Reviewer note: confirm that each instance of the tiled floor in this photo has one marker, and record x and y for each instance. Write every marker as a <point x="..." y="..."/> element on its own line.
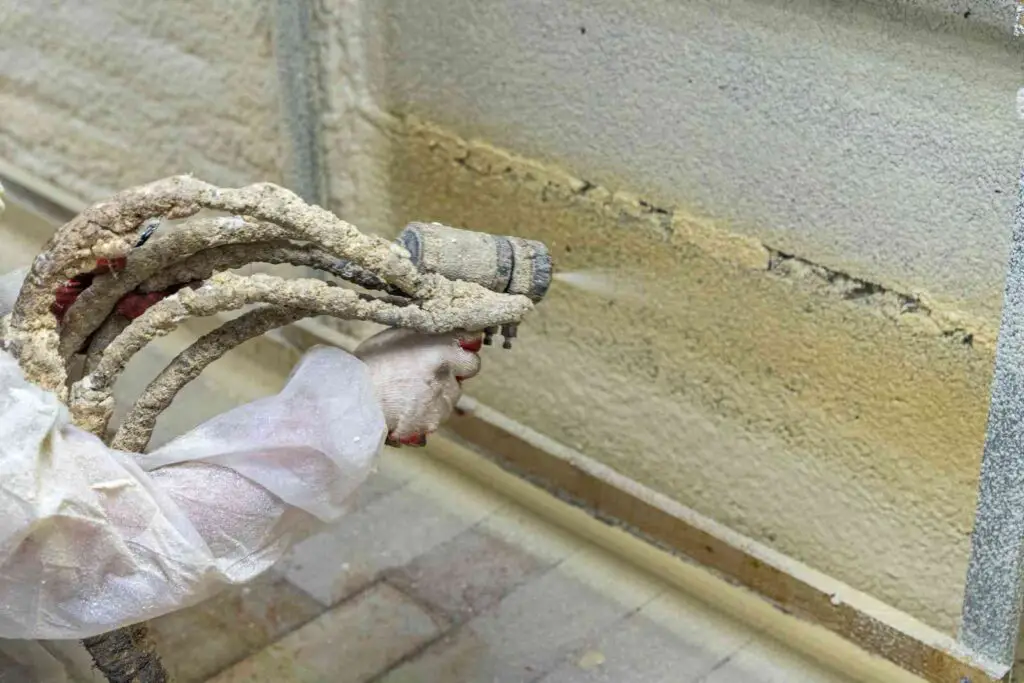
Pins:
<point x="434" y="579"/>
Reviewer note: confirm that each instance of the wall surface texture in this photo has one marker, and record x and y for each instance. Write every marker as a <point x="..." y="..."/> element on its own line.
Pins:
<point x="100" y="95"/>
<point x="802" y="208"/>
<point x="880" y="138"/>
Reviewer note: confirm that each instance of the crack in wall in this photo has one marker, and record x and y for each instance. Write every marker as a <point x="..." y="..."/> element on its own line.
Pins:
<point x="677" y="225"/>
<point x="891" y="303"/>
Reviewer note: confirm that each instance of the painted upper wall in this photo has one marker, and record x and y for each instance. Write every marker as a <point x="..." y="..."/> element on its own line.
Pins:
<point x="877" y="138"/>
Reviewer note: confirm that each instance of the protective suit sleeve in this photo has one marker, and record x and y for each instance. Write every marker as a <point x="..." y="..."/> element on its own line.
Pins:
<point x="92" y="539"/>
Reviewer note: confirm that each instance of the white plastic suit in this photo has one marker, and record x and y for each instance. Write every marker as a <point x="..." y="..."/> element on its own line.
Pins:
<point x="92" y="539"/>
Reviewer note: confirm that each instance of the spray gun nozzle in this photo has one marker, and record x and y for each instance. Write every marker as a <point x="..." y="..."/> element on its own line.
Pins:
<point x="508" y="265"/>
<point x="509" y="332"/>
<point x="489" y="333"/>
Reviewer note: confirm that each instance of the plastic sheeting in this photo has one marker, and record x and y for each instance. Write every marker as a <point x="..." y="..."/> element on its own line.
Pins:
<point x="92" y="539"/>
<point x="10" y="286"/>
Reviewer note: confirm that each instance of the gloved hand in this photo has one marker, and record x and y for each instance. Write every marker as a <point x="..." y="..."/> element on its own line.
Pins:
<point x="418" y="378"/>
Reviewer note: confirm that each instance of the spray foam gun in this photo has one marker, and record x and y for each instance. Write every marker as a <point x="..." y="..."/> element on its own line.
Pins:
<point x="503" y="264"/>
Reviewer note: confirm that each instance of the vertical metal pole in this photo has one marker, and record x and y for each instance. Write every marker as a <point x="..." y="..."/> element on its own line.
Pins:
<point x="297" y="76"/>
<point x="995" y="576"/>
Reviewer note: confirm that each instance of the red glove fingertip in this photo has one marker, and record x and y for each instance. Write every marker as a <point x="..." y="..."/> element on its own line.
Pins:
<point x="133" y="305"/>
<point x="66" y="296"/>
<point x="115" y="264"/>
<point x="471" y="345"/>
<point x="416" y="440"/>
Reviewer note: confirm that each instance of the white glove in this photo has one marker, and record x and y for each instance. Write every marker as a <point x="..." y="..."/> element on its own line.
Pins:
<point x="418" y="378"/>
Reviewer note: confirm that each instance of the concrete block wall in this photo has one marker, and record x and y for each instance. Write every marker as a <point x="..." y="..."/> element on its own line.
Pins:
<point x="100" y="95"/>
<point x="804" y="207"/>
<point x="811" y="199"/>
